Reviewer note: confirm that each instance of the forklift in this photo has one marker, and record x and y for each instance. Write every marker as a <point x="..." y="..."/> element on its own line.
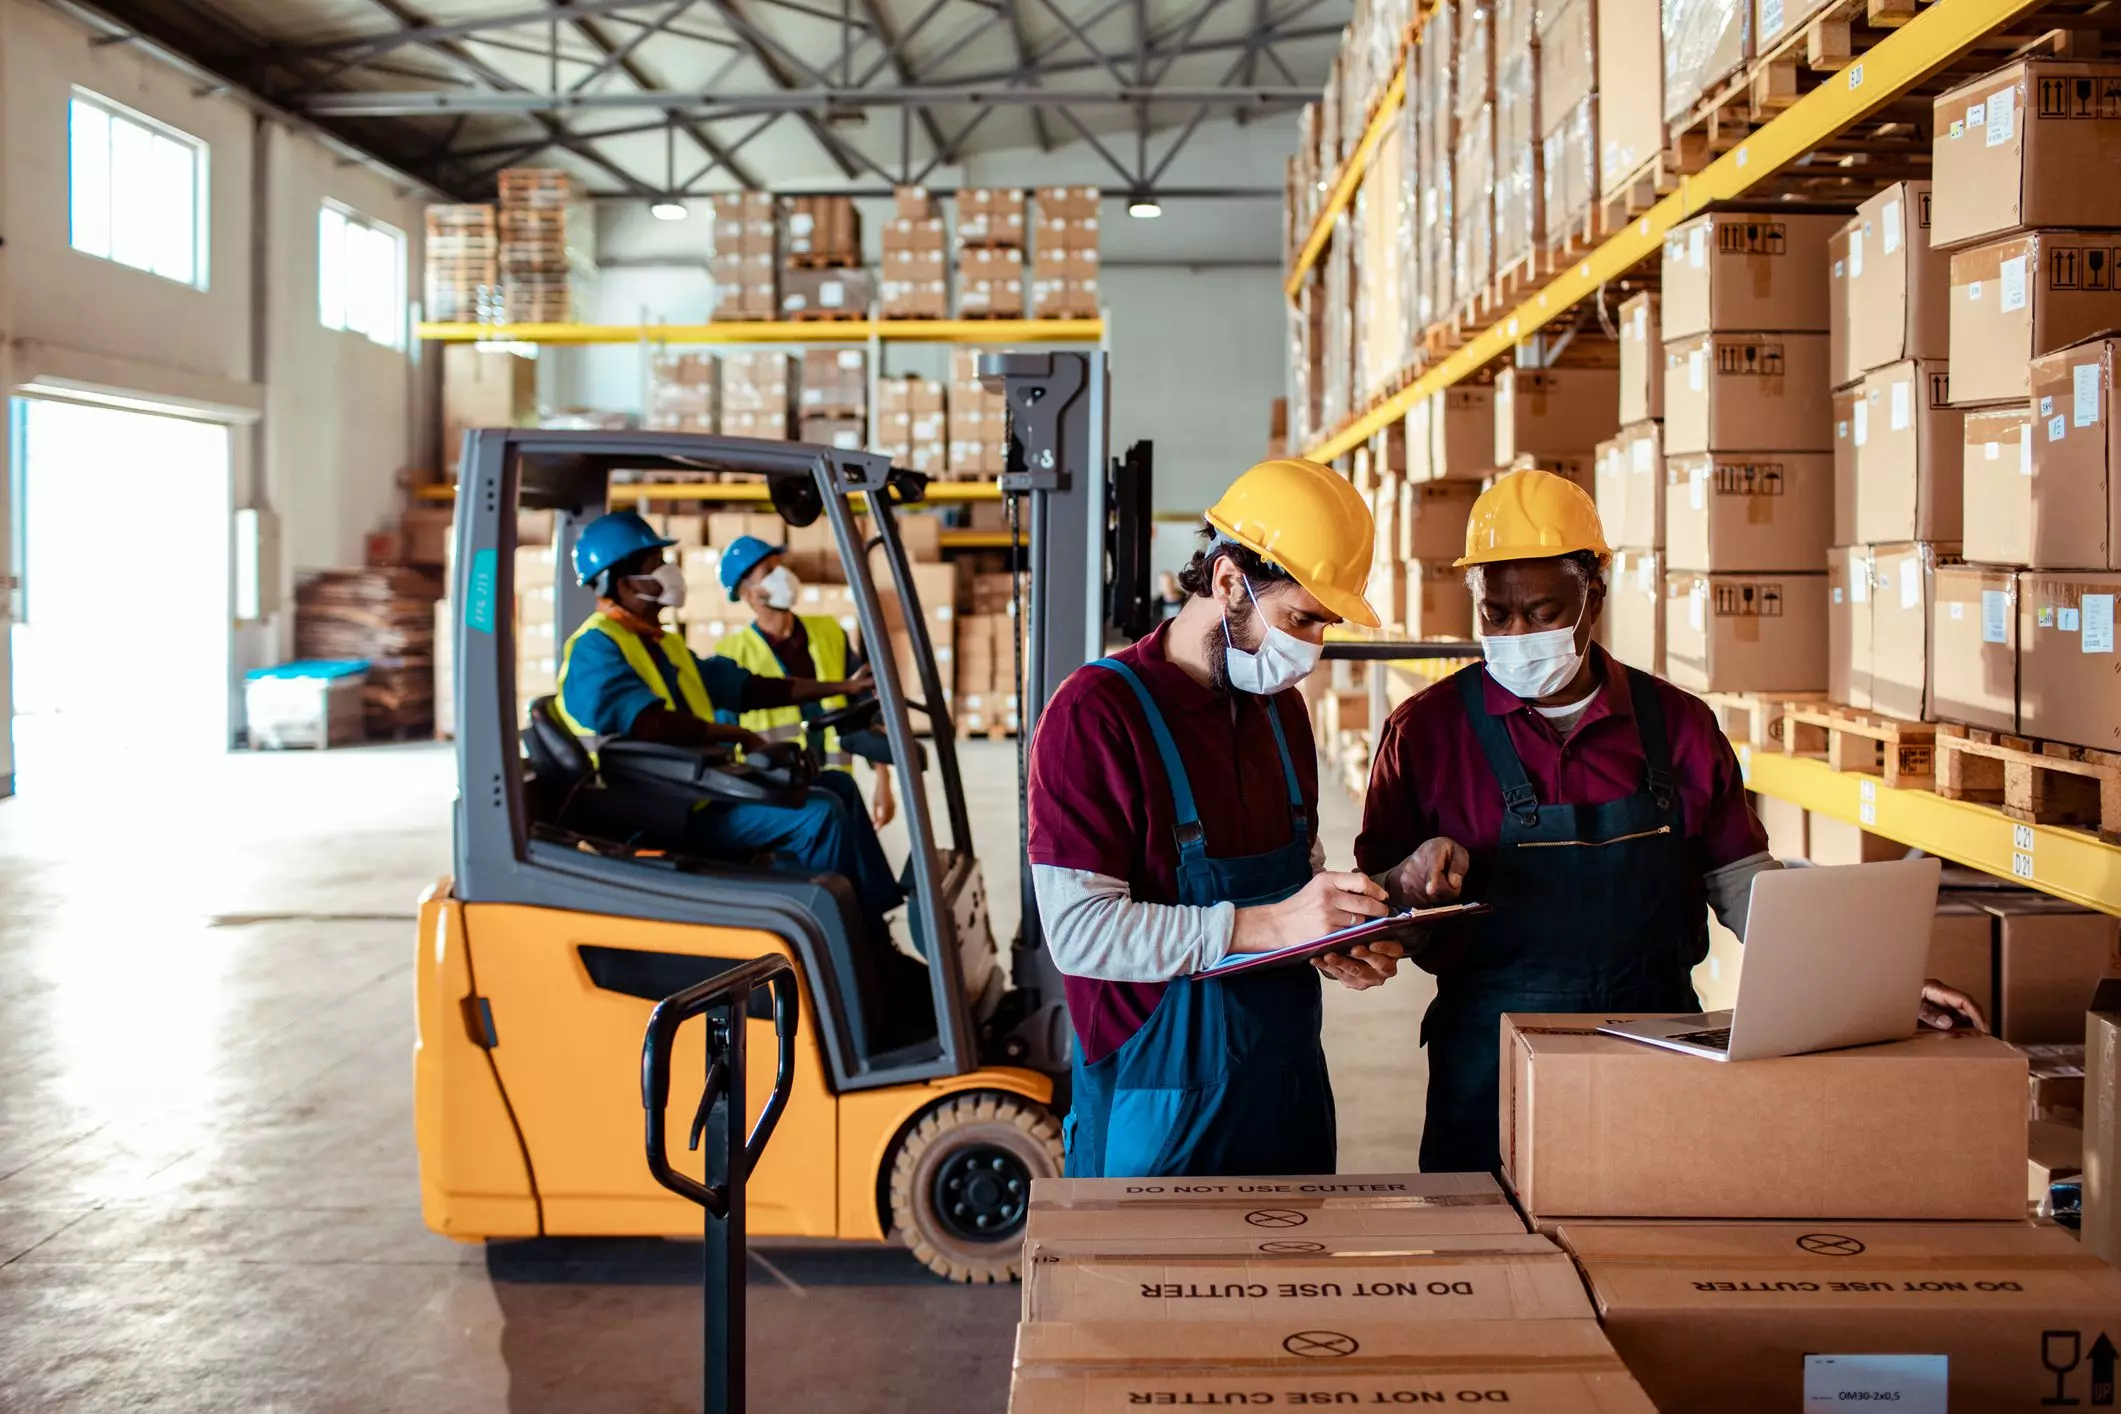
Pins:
<point x="541" y="957"/>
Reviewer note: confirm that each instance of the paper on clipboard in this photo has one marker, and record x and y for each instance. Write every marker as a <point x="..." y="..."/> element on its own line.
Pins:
<point x="1390" y="926"/>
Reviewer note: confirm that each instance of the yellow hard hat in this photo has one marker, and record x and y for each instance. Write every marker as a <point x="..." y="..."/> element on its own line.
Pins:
<point x="1532" y="515"/>
<point x="1311" y="521"/>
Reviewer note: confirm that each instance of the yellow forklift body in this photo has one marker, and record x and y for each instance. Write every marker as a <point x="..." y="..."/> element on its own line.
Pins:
<point x="574" y="1095"/>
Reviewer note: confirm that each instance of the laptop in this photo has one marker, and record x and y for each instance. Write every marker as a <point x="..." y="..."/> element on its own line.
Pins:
<point x="1833" y="957"/>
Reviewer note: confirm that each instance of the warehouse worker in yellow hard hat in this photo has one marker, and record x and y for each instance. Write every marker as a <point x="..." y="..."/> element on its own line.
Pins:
<point x="1598" y="809"/>
<point x="780" y="643"/>
<point x="1173" y="806"/>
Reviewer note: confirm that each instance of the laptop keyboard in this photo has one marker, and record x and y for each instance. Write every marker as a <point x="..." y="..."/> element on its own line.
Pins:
<point x="1716" y="1038"/>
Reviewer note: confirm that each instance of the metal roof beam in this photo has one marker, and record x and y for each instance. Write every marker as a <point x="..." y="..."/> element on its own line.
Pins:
<point x="424" y="33"/>
<point x="895" y="52"/>
<point x="804" y="102"/>
<point x="619" y="57"/>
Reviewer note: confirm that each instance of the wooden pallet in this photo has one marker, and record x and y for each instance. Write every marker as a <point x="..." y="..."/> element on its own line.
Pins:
<point x="1902" y="753"/>
<point x="1756" y="717"/>
<point x="811" y="261"/>
<point x="827" y="316"/>
<point x="2037" y="782"/>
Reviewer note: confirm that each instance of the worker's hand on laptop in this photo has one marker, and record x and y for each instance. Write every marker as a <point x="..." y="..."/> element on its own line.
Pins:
<point x="1330" y="902"/>
<point x="1945" y="1007"/>
<point x="1364" y="966"/>
<point x="1432" y="874"/>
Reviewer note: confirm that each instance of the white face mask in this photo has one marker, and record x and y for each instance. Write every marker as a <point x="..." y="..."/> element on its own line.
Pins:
<point x="780" y="586"/>
<point x="669" y="582"/>
<point x="1282" y="660"/>
<point x="1533" y="665"/>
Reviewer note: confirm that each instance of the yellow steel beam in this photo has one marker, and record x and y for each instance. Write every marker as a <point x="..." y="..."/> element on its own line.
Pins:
<point x="979" y="539"/>
<point x="1942" y="32"/>
<point x="2070" y="864"/>
<point x="941" y="492"/>
<point x="1351" y="173"/>
<point x="775" y="331"/>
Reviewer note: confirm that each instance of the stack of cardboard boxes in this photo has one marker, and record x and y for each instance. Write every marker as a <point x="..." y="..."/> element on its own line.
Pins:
<point x="1064" y="281"/>
<point x="483" y="388"/>
<point x="684" y="392"/>
<point x="1375" y="1289"/>
<point x="916" y="282"/>
<point x="835" y="398"/>
<point x="911" y="424"/>
<point x="1520" y="192"/>
<point x="823" y="277"/>
<point x="2024" y="631"/>
<point x="1567" y="50"/>
<point x="1748" y="452"/>
<point x="746" y="271"/>
<point x="756" y="394"/>
<point x="990" y="253"/>
<point x="978" y="420"/>
<point x="1470" y="91"/>
<point x="537" y="633"/>
<point x="988" y="692"/>
<point x="547" y="246"/>
<point x="1630" y="494"/>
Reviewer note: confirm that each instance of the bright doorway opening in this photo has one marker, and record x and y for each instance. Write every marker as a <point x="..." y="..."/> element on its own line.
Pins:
<point x="121" y="642"/>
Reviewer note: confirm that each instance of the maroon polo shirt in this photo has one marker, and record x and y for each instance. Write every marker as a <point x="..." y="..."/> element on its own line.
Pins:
<point x="1430" y="778"/>
<point x="1100" y="801"/>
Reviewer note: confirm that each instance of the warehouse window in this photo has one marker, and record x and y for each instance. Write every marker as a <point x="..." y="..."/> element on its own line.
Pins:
<point x="136" y="191"/>
<point x="360" y="275"/>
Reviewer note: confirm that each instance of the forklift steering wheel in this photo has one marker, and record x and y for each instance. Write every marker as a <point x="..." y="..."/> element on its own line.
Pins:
<point x="859" y="712"/>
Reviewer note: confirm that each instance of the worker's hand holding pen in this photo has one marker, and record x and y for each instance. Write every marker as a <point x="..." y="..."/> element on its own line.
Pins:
<point x="1330" y="902"/>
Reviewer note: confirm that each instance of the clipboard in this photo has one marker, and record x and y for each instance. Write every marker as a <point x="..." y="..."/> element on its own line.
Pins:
<point x="1392" y="925"/>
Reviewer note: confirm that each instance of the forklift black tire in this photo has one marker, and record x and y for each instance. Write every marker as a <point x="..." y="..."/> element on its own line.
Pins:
<point x="961" y="1181"/>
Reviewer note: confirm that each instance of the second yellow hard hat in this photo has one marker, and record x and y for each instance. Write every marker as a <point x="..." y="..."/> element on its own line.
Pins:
<point x="1532" y="515"/>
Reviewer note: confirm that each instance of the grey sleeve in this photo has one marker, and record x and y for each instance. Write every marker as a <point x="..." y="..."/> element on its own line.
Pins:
<point x="1731" y="888"/>
<point x="1096" y="928"/>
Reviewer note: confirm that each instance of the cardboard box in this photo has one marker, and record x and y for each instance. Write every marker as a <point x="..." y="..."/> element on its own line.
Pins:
<point x="1630" y="129"/>
<point x="1774" y="20"/>
<point x="1786" y="1316"/>
<point x="1705" y="42"/>
<point x="1634" y="609"/>
<point x="2066" y="659"/>
<point x="1963" y="949"/>
<point x="1900" y="628"/>
<point x="1332" y="1205"/>
<point x="1732" y="270"/>
<point x="1974" y="646"/>
<point x="1747" y="393"/>
<point x="2022" y="296"/>
<point x="1641" y="360"/>
<point x="2055" y="1156"/>
<point x="2074" y="495"/>
<point x="2034" y="143"/>
<point x="1555" y="1366"/>
<point x="1997" y="475"/>
<point x="1179" y="1281"/>
<point x="809" y="291"/>
<point x="1844" y="404"/>
<point x="1438" y="604"/>
<point x="1432" y="519"/>
<point x="1641" y="474"/>
<point x="2051" y="956"/>
<point x="483" y="389"/>
<point x="1553" y="412"/>
<point x="1899" y="290"/>
<point x="1840" y="363"/>
<point x="2056" y="1080"/>
<point x="1745" y="633"/>
<point x="1599" y="1126"/>
<point x="1850" y="583"/>
<point x="1765" y="513"/>
<point x="1835" y="841"/>
<point x="1909" y="445"/>
<point x="2101" y="1228"/>
<point x="1462" y="432"/>
<point x="1785" y="822"/>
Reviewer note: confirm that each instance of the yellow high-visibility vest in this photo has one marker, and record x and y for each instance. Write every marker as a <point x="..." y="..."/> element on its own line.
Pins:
<point x="693" y="690"/>
<point x="750" y="651"/>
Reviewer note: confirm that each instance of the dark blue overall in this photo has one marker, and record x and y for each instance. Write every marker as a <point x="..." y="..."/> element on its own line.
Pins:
<point x="1597" y="908"/>
<point x="1227" y="1076"/>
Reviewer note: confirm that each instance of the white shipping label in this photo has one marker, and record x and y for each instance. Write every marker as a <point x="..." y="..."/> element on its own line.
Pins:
<point x="1910" y="1384"/>
<point x="1646" y="575"/>
<point x="2012" y="278"/>
<point x="1860" y="585"/>
<point x="1837" y="594"/>
<point x="2084" y="389"/>
<point x="1976" y="114"/>
<point x="2025" y="450"/>
<point x="1642" y="323"/>
<point x="1995" y="615"/>
<point x="831" y="294"/>
<point x="2001" y="106"/>
<point x="1889" y="226"/>
<point x="1910" y="583"/>
<point x="1856" y="253"/>
<point x="1640" y="452"/>
<point x="2066" y="620"/>
<point x="1770" y="18"/>
<point x="2098" y="623"/>
<point x="1697" y="246"/>
<point x="1696" y="365"/>
<point x="1697" y="608"/>
<point x="1903" y="406"/>
<point x="2047" y="406"/>
<point x="850" y="358"/>
<point x="1956" y="610"/>
<point x="1994" y="450"/>
<point x="1863" y="421"/>
<point x="1973" y="289"/>
<point x="1697" y="488"/>
<point x="2056" y="427"/>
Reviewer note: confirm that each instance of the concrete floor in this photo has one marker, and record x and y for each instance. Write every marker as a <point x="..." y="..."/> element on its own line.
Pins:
<point x="207" y="1183"/>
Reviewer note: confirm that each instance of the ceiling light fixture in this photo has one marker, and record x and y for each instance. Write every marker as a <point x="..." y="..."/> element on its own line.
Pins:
<point x="668" y="210"/>
<point x="1144" y="208"/>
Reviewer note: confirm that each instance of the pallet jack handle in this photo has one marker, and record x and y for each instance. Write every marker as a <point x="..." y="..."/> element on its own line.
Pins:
<point x="725" y="1002"/>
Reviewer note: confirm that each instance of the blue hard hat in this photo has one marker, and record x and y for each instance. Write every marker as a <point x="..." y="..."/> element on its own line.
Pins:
<point x="611" y="540"/>
<point x="742" y="556"/>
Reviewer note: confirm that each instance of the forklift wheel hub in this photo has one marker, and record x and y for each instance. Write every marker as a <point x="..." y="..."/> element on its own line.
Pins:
<point x="980" y="1192"/>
